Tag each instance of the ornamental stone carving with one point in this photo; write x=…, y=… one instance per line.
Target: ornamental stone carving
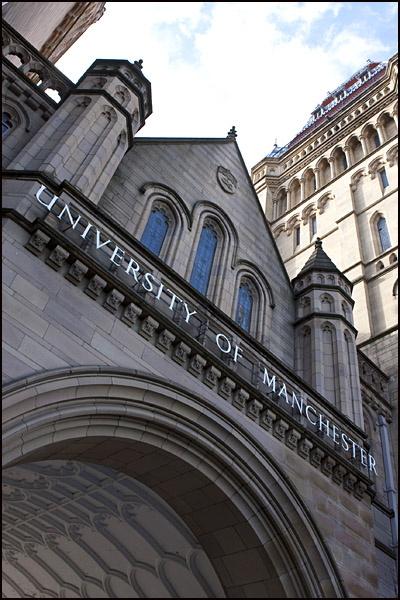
x=267, y=419
x=316, y=456
x=211, y=376
x=240, y=398
x=148, y=327
x=226, y=180
x=226, y=387
x=181, y=353
x=292, y=438
x=164, y=340
x=57, y=258
x=95, y=287
x=131, y=314
x=76, y=272
x=253, y=409
x=303, y=447
x=113, y=301
x=37, y=242
x=196, y=365
x=279, y=429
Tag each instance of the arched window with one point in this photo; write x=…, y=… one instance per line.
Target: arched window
x=383, y=234
x=155, y=231
x=203, y=262
x=244, y=307
x=6, y=123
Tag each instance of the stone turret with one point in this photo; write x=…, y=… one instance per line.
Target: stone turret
x=325, y=337
x=85, y=139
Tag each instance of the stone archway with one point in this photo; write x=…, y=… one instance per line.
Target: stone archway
x=257, y=534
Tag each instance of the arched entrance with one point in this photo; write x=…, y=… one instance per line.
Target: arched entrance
x=235, y=502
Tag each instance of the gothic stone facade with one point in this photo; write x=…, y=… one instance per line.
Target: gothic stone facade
x=159, y=438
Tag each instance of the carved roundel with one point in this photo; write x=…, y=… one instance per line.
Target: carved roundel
x=226, y=180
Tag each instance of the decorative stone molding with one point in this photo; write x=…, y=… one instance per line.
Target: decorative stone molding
x=327, y=465
x=349, y=482
x=240, y=397
x=226, y=180
x=303, y=447
x=226, y=387
x=131, y=314
x=316, y=455
x=57, y=258
x=76, y=272
x=196, y=365
x=338, y=474
x=267, y=419
x=292, y=438
x=211, y=376
x=359, y=490
x=165, y=340
x=113, y=301
x=181, y=353
x=95, y=287
x=149, y=326
x=253, y=409
x=37, y=242
x=279, y=429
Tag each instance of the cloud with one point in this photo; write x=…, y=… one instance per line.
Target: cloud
x=261, y=66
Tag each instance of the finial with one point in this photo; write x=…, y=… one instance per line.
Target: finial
x=138, y=63
x=318, y=243
x=232, y=133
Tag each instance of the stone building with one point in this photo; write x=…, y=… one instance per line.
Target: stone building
x=168, y=431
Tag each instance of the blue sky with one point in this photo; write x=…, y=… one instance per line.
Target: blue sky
x=261, y=66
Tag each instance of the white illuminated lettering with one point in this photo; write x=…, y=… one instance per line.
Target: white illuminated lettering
x=188, y=313
x=372, y=464
x=363, y=457
x=284, y=391
x=116, y=254
x=98, y=244
x=221, y=335
x=147, y=277
x=299, y=406
x=160, y=289
x=270, y=382
x=135, y=270
x=354, y=447
x=309, y=407
x=88, y=228
x=335, y=433
x=323, y=424
x=237, y=353
x=48, y=205
x=71, y=219
x=174, y=297
x=345, y=445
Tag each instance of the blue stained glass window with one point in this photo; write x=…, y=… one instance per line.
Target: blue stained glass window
x=155, y=231
x=244, y=307
x=5, y=123
x=204, y=259
x=384, y=179
x=383, y=234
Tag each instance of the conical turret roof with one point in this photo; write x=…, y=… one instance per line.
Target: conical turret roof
x=318, y=261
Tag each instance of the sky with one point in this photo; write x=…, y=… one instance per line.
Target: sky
x=260, y=66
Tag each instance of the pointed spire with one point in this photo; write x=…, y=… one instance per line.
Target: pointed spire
x=232, y=133
x=319, y=260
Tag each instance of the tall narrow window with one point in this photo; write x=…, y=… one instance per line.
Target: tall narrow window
x=155, y=231
x=297, y=234
x=377, y=141
x=313, y=226
x=6, y=123
x=244, y=307
x=384, y=179
x=203, y=262
x=383, y=234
